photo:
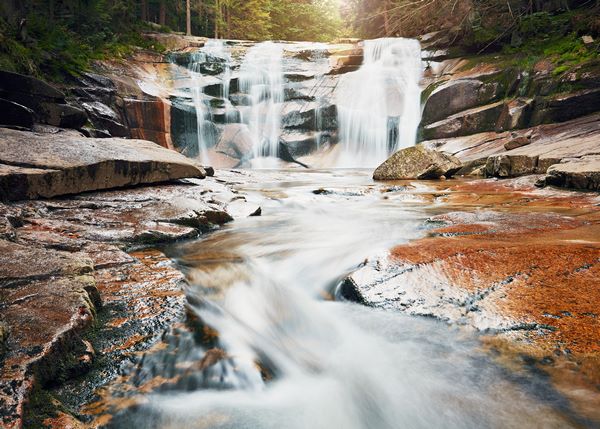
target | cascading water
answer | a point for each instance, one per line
(379, 104)
(261, 77)
(214, 53)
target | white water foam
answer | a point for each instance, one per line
(261, 77)
(379, 104)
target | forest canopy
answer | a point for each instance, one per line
(51, 37)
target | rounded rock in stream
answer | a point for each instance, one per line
(417, 162)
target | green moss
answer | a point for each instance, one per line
(560, 70)
(41, 406)
(429, 90)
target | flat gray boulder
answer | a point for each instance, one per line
(417, 162)
(34, 165)
(582, 173)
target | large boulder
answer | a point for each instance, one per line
(473, 121)
(236, 141)
(582, 173)
(417, 162)
(458, 95)
(45, 165)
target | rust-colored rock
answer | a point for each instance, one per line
(531, 269)
(65, 258)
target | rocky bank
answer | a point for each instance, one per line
(81, 285)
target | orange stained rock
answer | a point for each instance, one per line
(542, 267)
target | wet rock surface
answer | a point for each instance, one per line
(517, 264)
(79, 298)
(515, 271)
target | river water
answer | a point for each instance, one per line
(296, 357)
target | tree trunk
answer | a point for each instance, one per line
(188, 18)
(144, 10)
(228, 21)
(386, 18)
(217, 17)
(162, 13)
(200, 7)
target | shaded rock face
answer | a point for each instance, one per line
(528, 273)
(46, 165)
(417, 162)
(528, 151)
(473, 121)
(47, 102)
(458, 95)
(63, 269)
(469, 101)
(564, 107)
(14, 114)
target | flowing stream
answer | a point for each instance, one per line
(295, 358)
(271, 342)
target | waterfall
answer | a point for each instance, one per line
(261, 77)
(379, 104)
(213, 54)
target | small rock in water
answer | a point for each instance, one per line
(240, 209)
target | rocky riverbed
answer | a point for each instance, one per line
(86, 291)
(70, 271)
(111, 248)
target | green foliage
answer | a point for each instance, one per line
(317, 20)
(58, 41)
